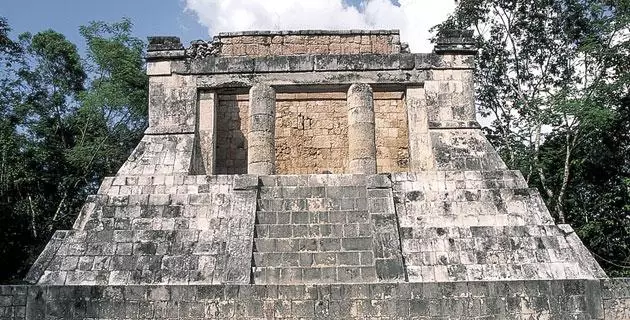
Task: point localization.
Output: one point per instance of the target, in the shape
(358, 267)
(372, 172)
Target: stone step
(315, 180)
(293, 275)
(301, 192)
(316, 244)
(164, 222)
(416, 232)
(449, 180)
(313, 230)
(312, 204)
(162, 199)
(311, 244)
(466, 194)
(306, 217)
(314, 259)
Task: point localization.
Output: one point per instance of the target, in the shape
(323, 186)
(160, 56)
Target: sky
(200, 19)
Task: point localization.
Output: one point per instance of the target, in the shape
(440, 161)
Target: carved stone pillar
(205, 144)
(261, 147)
(361, 130)
(420, 151)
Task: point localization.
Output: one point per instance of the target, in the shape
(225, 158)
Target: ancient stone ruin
(314, 175)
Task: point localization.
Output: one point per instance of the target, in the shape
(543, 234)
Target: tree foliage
(553, 87)
(66, 122)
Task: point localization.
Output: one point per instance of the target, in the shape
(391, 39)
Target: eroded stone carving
(200, 49)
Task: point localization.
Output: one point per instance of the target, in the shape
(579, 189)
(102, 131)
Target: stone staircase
(321, 229)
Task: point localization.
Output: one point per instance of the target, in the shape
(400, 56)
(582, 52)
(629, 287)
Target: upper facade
(312, 157)
(403, 97)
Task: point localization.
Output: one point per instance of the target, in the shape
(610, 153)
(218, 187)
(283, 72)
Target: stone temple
(314, 175)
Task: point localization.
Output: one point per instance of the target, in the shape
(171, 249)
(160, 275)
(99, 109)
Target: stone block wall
(392, 134)
(458, 226)
(232, 128)
(13, 302)
(432, 128)
(558, 299)
(156, 229)
(307, 42)
(161, 155)
(616, 298)
(311, 132)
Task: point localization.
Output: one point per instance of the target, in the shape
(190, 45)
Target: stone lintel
(165, 48)
(387, 78)
(323, 62)
(166, 55)
(456, 42)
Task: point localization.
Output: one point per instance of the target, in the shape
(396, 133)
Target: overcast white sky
(414, 18)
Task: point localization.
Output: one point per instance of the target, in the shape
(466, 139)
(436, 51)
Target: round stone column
(261, 146)
(361, 130)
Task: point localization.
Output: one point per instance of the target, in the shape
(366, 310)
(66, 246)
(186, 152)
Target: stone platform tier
(156, 229)
(557, 299)
(240, 229)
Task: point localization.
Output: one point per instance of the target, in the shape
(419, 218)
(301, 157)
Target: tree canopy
(552, 87)
(65, 123)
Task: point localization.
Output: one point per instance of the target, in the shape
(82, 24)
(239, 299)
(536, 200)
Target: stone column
(206, 130)
(361, 130)
(420, 151)
(261, 146)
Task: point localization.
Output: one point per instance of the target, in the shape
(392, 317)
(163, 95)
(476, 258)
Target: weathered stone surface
(164, 44)
(361, 130)
(557, 299)
(420, 149)
(445, 231)
(463, 149)
(267, 43)
(261, 153)
(326, 229)
(311, 132)
(468, 226)
(321, 63)
(172, 104)
(616, 298)
(158, 230)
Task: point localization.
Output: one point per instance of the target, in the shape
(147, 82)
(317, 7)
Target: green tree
(111, 116)
(542, 68)
(66, 123)
(14, 234)
(552, 77)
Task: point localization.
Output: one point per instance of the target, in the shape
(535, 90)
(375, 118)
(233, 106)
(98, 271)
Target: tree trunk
(565, 182)
(33, 225)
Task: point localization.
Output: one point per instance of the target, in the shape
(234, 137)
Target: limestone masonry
(314, 175)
